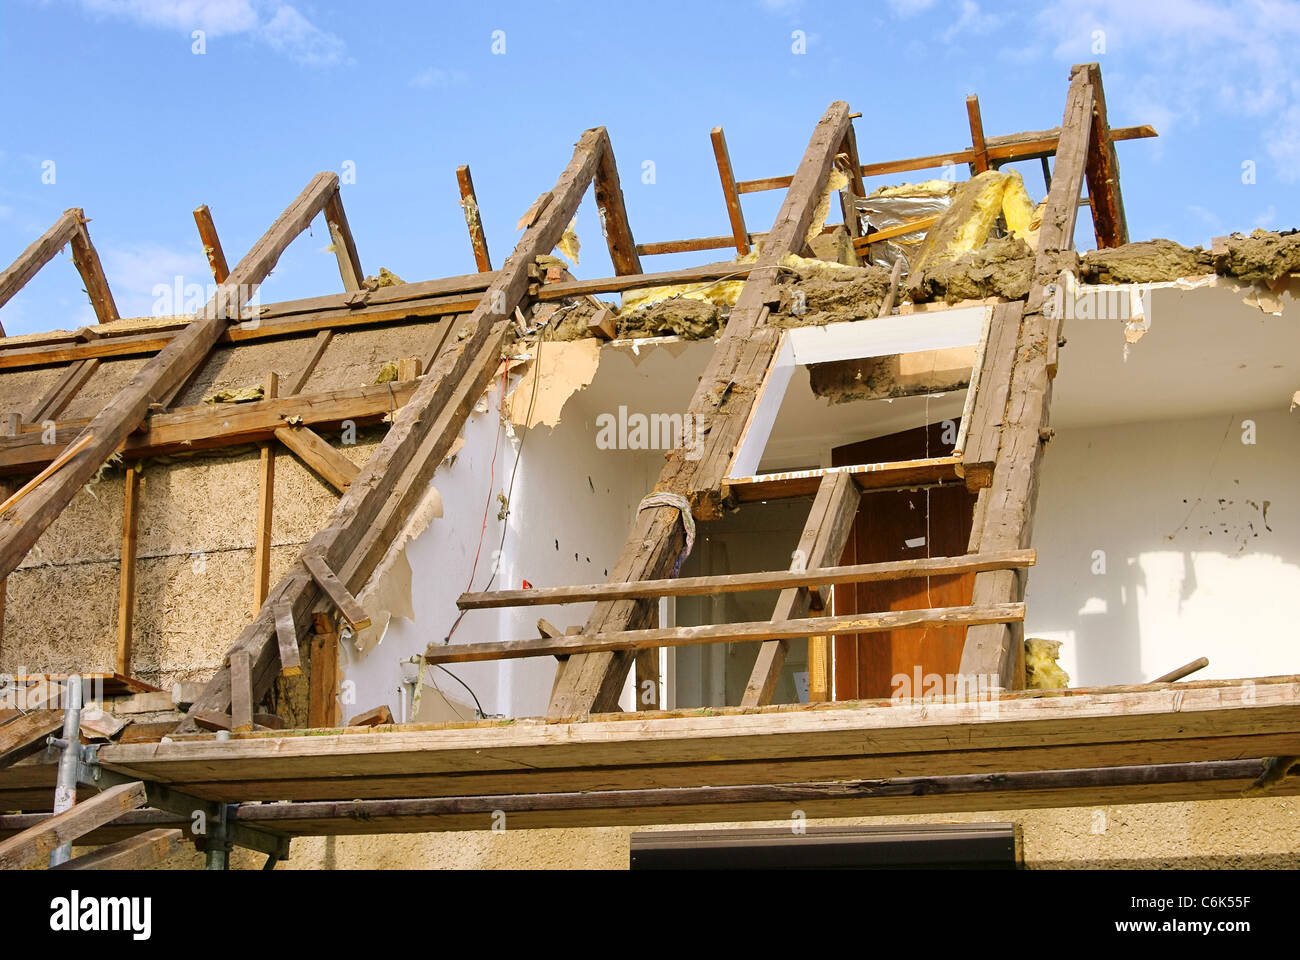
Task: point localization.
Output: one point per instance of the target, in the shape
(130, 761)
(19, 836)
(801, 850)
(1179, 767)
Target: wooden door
(902, 525)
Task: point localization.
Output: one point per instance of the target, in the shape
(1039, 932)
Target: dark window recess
(961, 846)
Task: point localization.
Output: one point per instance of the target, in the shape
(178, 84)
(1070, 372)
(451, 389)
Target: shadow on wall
(1162, 542)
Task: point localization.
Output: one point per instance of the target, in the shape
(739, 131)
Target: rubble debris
(1003, 267)
(385, 278)
(1262, 257)
(1042, 672)
(819, 292)
(891, 377)
(683, 317)
(1149, 261)
(236, 395)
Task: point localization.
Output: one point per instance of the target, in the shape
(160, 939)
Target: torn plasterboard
(387, 593)
(558, 371)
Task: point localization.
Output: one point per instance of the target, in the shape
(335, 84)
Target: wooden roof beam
(378, 502)
(27, 520)
(473, 219)
(593, 681)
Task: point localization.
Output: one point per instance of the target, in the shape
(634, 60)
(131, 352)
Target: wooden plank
(345, 248)
(322, 697)
(633, 640)
(40, 252)
(822, 543)
(134, 853)
(729, 194)
(473, 221)
(1102, 172)
(62, 393)
(1033, 730)
(211, 243)
(126, 576)
(241, 687)
(602, 325)
(314, 353)
(265, 507)
(1006, 511)
(375, 717)
(36, 843)
(32, 485)
(897, 230)
(1017, 146)
(869, 476)
(286, 635)
(378, 503)
(744, 352)
(314, 451)
(564, 289)
(92, 271)
(124, 413)
(325, 578)
(613, 212)
(815, 575)
(994, 386)
(209, 425)
(979, 149)
(26, 733)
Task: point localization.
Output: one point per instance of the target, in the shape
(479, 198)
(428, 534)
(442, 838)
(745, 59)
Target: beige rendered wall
(1234, 834)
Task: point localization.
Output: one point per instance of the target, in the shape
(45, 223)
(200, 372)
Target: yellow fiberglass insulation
(975, 208)
(723, 293)
(1042, 672)
(836, 182)
(569, 244)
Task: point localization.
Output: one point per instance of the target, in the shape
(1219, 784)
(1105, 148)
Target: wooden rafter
(345, 248)
(822, 543)
(27, 520)
(979, 149)
(473, 219)
(211, 243)
(593, 681)
(69, 228)
(1004, 512)
(734, 211)
(378, 502)
(613, 213)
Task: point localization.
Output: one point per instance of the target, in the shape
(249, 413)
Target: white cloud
(971, 19)
(910, 8)
(1181, 58)
(278, 25)
(431, 78)
(134, 270)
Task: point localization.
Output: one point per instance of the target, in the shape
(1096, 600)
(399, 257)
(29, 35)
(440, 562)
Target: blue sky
(141, 129)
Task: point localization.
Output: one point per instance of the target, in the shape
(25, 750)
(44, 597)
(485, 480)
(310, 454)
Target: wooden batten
(613, 213)
(265, 507)
(126, 585)
(473, 219)
(822, 543)
(729, 193)
(345, 248)
(211, 243)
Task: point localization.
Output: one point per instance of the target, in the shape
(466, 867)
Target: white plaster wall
(1193, 567)
(571, 507)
